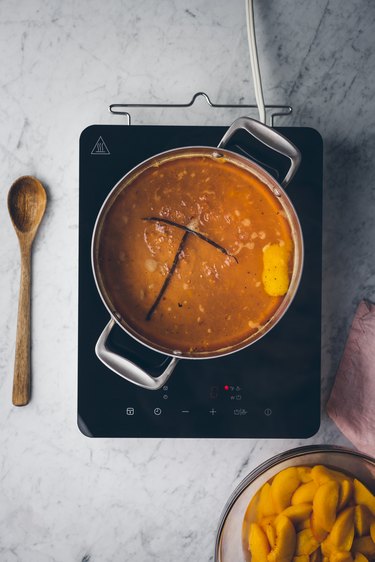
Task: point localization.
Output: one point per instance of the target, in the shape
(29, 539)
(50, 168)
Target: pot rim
(276, 189)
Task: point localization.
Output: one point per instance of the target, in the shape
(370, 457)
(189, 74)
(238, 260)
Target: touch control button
(212, 412)
(157, 411)
(268, 411)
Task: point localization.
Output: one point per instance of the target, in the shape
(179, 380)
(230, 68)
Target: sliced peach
(364, 545)
(319, 533)
(297, 513)
(304, 473)
(362, 520)
(283, 487)
(325, 504)
(341, 556)
(345, 493)
(306, 542)
(327, 548)
(268, 527)
(258, 543)
(321, 474)
(359, 557)
(266, 520)
(304, 493)
(265, 505)
(302, 558)
(342, 534)
(285, 545)
(363, 496)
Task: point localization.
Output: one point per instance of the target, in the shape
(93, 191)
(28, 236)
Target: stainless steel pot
(273, 140)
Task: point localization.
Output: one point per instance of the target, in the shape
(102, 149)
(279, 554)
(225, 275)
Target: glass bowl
(229, 543)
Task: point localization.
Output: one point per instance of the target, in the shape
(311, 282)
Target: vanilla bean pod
(191, 231)
(169, 276)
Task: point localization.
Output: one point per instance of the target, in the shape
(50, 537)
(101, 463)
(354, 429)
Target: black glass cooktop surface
(272, 388)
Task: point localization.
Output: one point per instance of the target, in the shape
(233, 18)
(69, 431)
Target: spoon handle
(21, 380)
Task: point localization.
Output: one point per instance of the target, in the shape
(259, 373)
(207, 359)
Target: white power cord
(254, 60)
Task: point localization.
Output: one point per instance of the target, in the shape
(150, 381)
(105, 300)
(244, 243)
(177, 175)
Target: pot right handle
(269, 137)
(126, 368)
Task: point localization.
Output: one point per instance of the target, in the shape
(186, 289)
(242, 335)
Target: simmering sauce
(195, 254)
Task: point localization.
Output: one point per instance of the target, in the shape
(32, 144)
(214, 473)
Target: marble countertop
(64, 497)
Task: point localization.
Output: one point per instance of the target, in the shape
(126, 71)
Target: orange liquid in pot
(216, 297)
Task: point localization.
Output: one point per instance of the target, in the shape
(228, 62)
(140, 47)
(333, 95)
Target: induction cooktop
(268, 390)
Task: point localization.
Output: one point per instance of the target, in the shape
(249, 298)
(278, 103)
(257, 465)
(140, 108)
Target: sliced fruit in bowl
(312, 504)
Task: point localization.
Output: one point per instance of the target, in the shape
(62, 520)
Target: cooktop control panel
(270, 389)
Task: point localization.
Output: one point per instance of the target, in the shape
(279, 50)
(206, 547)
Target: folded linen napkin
(352, 402)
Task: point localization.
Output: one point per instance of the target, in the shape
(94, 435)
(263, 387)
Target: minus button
(185, 411)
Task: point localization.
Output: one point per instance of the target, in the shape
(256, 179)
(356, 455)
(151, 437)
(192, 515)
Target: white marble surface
(64, 497)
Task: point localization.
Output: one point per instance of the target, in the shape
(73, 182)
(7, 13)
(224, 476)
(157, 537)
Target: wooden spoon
(27, 201)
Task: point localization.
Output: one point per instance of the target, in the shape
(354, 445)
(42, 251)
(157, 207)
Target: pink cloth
(352, 402)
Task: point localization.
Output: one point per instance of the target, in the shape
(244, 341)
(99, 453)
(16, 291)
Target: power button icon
(268, 411)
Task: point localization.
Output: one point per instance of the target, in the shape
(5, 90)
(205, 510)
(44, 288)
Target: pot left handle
(126, 368)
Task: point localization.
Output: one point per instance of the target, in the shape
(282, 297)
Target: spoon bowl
(27, 201)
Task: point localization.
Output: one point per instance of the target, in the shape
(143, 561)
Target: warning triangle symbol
(100, 147)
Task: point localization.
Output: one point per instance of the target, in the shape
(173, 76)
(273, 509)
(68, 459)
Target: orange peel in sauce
(311, 514)
(275, 277)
